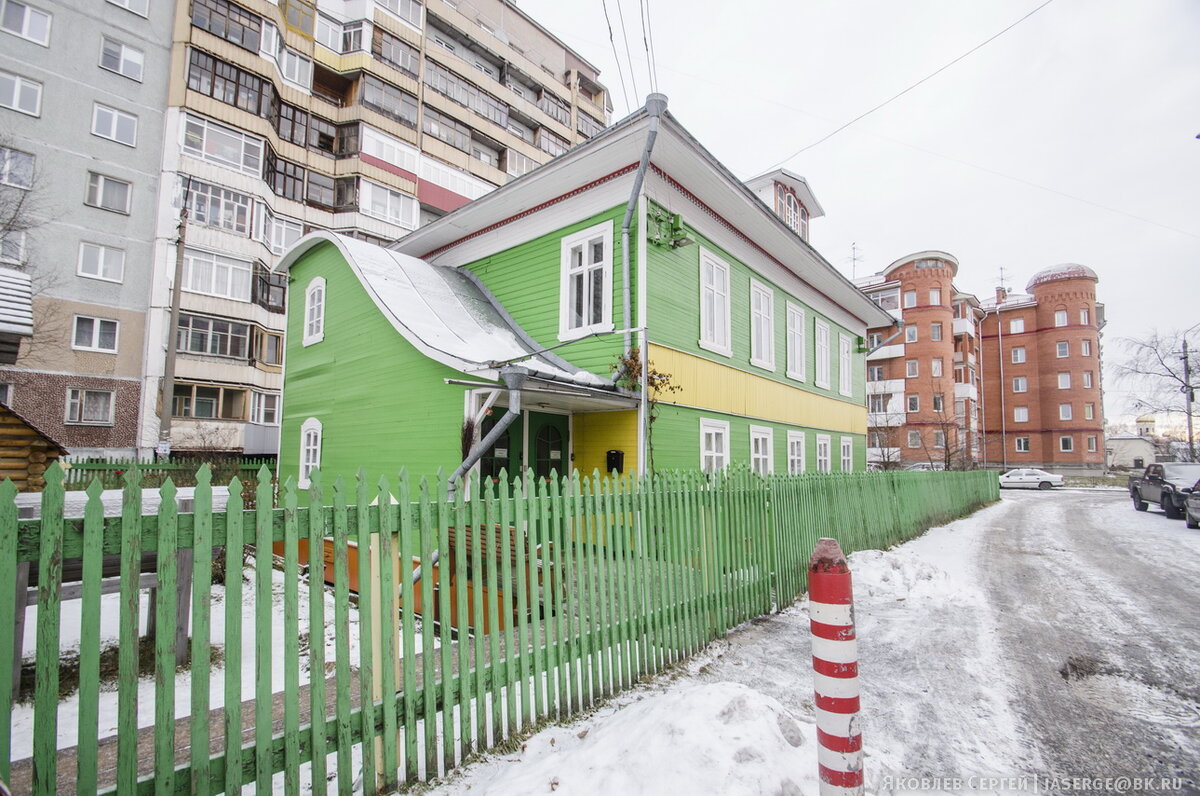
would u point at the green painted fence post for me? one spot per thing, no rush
(202, 557)
(8, 608)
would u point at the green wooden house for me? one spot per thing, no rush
(630, 304)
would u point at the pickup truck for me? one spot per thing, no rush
(1166, 485)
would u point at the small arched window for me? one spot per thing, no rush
(310, 450)
(803, 223)
(314, 311)
(791, 213)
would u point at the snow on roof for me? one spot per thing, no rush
(16, 303)
(441, 311)
(1063, 271)
(1011, 300)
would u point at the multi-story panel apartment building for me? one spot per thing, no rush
(1044, 405)
(83, 90)
(923, 374)
(368, 118)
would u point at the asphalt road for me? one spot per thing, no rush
(1098, 611)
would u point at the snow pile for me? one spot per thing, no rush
(903, 574)
(697, 738)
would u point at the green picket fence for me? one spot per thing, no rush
(580, 586)
(80, 473)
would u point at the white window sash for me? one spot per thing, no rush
(714, 304)
(795, 343)
(762, 326)
(578, 298)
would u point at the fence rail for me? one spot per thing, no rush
(79, 474)
(558, 594)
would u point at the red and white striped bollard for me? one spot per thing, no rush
(835, 671)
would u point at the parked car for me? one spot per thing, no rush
(1191, 507)
(1027, 478)
(926, 467)
(1166, 485)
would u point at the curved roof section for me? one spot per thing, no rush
(441, 311)
(1065, 271)
(931, 254)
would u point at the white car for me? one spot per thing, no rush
(1029, 479)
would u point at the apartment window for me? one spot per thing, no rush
(268, 347)
(216, 275)
(550, 143)
(824, 454)
(214, 403)
(320, 190)
(388, 148)
(762, 325)
(1066, 443)
(277, 232)
(914, 403)
(264, 408)
(910, 334)
(269, 290)
(939, 402)
(101, 262)
(114, 125)
(295, 68)
(1064, 381)
(446, 129)
(389, 100)
(910, 298)
(935, 332)
(586, 281)
(458, 90)
(1089, 411)
(227, 83)
(588, 126)
(1064, 411)
(935, 297)
(1085, 348)
(121, 58)
(228, 21)
(1021, 384)
(1022, 444)
(874, 372)
(285, 177)
(714, 445)
(89, 407)
(912, 369)
(396, 52)
(761, 453)
(223, 146)
(214, 206)
(516, 163)
(1085, 319)
(20, 94)
(939, 439)
(12, 247)
(1091, 444)
(299, 15)
(847, 454)
(139, 7)
(877, 404)
(914, 439)
(935, 366)
(94, 334)
(407, 10)
(1060, 317)
(213, 337)
(1020, 414)
(1016, 326)
(16, 168)
(796, 453)
(821, 329)
(714, 303)
(1087, 379)
(874, 340)
(108, 193)
(25, 21)
(387, 204)
(1063, 349)
(314, 312)
(1018, 355)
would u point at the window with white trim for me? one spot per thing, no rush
(388, 148)
(1087, 379)
(912, 369)
(89, 407)
(762, 325)
(139, 7)
(1085, 317)
(95, 334)
(939, 439)
(379, 201)
(762, 444)
(1064, 411)
(935, 332)
(874, 372)
(12, 247)
(223, 145)
(1089, 411)
(714, 445)
(314, 311)
(796, 452)
(409, 11)
(845, 367)
(795, 342)
(216, 275)
(21, 19)
(1066, 443)
(114, 125)
(1022, 445)
(877, 404)
(939, 402)
(824, 453)
(16, 168)
(1021, 384)
(264, 408)
(20, 94)
(821, 344)
(914, 438)
(213, 337)
(1060, 317)
(910, 298)
(1064, 381)
(914, 403)
(1018, 355)
(1016, 326)
(910, 333)
(310, 450)
(97, 261)
(1091, 444)
(585, 282)
(714, 303)
(278, 233)
(847, 454)
(108, 193)
(935, 297)
(1020, 414)
(935, 367)
(1062, 349)
(119, 57)
(1085, 348)
(216, 206)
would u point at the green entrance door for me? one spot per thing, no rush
(549, 449)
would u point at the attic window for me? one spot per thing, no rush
(586, 282)
(314, 312)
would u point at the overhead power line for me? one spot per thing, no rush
(616, 57)
(628, 53)
(648, 45)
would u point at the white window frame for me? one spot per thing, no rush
(1089, 411)
(1085, 348)
(875, 372)
(824, 353)
(939, 402)
(762, 450)
(913, 403)
(1018, 355)
(797, 455)
(912, 369)
(311, 442)
(24, 32)
(935, 297)
(76, 403)
(1020, 414)
(103, 253)
(107, 121)
(233, 268)
(1022, 382)
(567, 272)
(847, 451)
(1064, 381)
(127, 56)
(845, 365)
(936, 368)
(914, 438)
(20, 86)
(1016, 326)
(11, 174)
(1065, 412)
(715, 304)
(388, 204)
(94, 343)
(316, 300)
(824, 453)
(935, 331)
(762, 325)
(1022, 445)
(796, 355)
(939, 439)
(139, 7)
(403, 6)
(1087, 379)
(1061, 318)
(250, 159)
(258, 409)
(910, 333)
(1085, 317)
(1062, 349)
(719, 460)
(910, 299)
(96, 188)
(1066, 443)
(1092, 446)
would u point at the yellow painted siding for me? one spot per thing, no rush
(709, 385)
(596, 433)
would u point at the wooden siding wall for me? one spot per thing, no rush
(24, 453)
(596, 433)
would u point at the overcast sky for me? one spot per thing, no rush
(1070, 138)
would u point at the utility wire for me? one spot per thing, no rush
(628, 52)
(910, 88)
(616, 57)
(647, 43)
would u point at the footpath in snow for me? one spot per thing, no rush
(740, 718)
